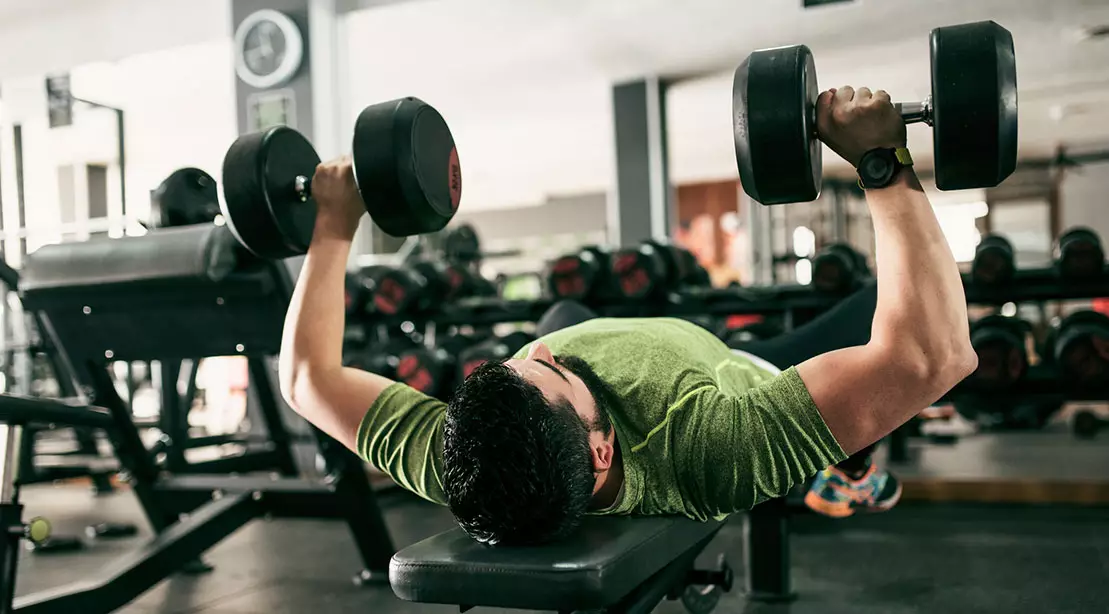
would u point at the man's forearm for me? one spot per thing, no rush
(312, 341)
(921, 311)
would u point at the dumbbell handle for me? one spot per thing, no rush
(916, 112)
(303, 187)
(911, 112)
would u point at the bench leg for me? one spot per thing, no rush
(766, 552)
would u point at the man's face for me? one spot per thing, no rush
(546, 372)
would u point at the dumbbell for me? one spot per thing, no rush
(1002, 357)
(653, 268)
(972, 111)
(1086, 424)
(839, 269)
(464, 282)
(1079, 254)
(747, 333)
(355, 294)
(188, 196)
(417, 288)
(405, 165)
(462, 244)
(496, 348)
(994, 262)
(379, 358)
(433, 371)
(582, 276)
(1079, 348)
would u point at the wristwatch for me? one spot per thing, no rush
(879, 166)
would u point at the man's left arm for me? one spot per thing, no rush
(733, 452)
(313, 379)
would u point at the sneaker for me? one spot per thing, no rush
(833, 493)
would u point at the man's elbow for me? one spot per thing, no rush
(941, 369)
(294, 382)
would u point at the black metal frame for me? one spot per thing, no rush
(189, 514)
(271, 452)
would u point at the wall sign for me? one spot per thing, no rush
(265, 110)
(59, 100)
(269, 49)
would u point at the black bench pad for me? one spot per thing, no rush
(601, 563)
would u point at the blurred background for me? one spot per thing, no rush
(527, 88)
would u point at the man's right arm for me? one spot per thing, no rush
(920, 339)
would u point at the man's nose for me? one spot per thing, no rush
(540, 351)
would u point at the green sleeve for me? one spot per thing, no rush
(402, 435)
(732, 452)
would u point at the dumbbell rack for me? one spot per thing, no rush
(1040, 383)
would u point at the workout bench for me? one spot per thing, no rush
(615, 565)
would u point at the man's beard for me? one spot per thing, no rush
(603, 394)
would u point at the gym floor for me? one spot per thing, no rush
(922, 557)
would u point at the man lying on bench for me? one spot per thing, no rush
(648, 416)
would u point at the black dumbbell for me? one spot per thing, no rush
(496, 348)
(417, 288)
(1086, 424)
(405, 164)
(652, 269)
(1079, 255)
(999, 342)
(972, 110)
(462, 245)
(433, 371)
(755, 331)
(188, 196)
(379, 358)
(839, 269)
(356, 288)
(994, 262)
(464, 282)
(582, 276)
(1079, 348)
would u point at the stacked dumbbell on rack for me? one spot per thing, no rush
(1069, 360)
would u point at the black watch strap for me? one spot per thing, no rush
(878, 167)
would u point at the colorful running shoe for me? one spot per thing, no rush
(833, 493)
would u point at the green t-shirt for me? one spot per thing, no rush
(703, 431)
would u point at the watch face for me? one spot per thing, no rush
(264, 48)
(876, 168)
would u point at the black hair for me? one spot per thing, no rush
(518, 469)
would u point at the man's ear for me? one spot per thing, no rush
(602, 454)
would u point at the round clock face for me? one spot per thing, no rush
(269, 49)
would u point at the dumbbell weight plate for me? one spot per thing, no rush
(188, 196)
(974, 105)
(1079, 254)
(639, 272)
(260, 204)
(779, 157)
(406, 167)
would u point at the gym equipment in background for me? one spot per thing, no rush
(188, 196)
(839, 269)
(653, 268)
(994, 262)
(496, 348)
(583, 276)
(1079, 349)
(999, 342)
(972, 111)
(1079, 255)
(405, 165)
